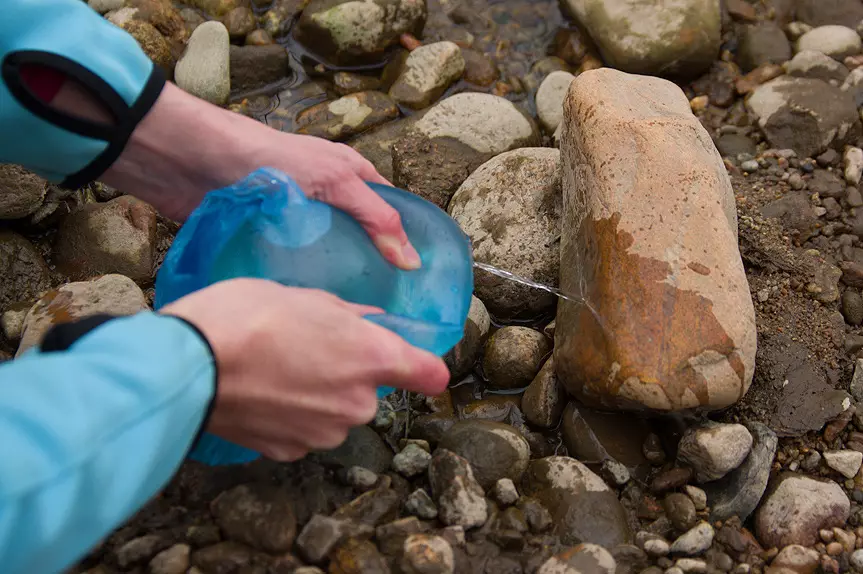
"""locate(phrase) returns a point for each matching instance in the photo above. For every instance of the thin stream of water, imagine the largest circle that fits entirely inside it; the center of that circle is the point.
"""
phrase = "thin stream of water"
(509, 276)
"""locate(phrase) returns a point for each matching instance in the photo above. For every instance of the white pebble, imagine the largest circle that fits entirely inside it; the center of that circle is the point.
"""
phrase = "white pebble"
(845, 462)
(853, 165)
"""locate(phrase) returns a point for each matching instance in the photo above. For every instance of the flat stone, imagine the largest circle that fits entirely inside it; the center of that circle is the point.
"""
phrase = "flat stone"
(261, 516)
(510, 208)
(797, 508)
(695, 541)
(254, 67)
(494, 450)
(347, 116)
(428, 71)
(804, 114)
(634, 37)
(845, 462)
(453, 138)
(583, 507)
(353, 32)
(838, 42)
(616, 235)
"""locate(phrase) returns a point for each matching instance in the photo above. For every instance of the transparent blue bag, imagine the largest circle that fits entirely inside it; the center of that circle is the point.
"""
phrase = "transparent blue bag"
(264, 226)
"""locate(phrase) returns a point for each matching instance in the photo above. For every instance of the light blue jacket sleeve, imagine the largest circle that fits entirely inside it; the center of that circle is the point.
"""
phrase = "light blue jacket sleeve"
(89, 435)
(69, 37)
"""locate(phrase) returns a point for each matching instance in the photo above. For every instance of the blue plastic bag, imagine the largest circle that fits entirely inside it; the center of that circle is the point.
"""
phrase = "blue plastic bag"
(264, 226)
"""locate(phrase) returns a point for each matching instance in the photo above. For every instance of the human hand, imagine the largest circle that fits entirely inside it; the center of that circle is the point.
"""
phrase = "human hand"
(186, 147)
(298, 368)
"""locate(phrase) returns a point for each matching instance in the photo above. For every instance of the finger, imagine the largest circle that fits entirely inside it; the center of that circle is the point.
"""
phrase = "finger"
(363, 310)
(368, 172)
(379, 219)
(402, 365)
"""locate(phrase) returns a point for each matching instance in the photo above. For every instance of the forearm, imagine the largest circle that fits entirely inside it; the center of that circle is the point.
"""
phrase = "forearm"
(181, 150)
(90, 434)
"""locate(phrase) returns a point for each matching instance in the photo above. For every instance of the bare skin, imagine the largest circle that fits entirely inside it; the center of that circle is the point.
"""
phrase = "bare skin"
(298, 368)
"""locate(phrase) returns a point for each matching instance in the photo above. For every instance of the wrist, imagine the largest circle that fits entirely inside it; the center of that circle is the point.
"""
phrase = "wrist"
(182, 149)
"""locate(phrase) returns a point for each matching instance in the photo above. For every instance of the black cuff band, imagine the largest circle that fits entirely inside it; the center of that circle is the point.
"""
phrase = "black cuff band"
(206, 420)
(61, 337)
(125, 118)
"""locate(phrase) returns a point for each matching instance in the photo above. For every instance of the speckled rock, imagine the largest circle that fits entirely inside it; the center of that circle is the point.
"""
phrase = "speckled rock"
(23, 272)
(427, 73)
(632, 248)
(694, 541)
(493, 450)
(152, 42)
(714, 450)
(114, 237)
(513, 357)
(460, 499)
(411, 461)
(549, 99)
(358, 31)
(804, 114)
(453, 138)
(21, 192)
(204, 68)
(633, 36)
(583, 507)
(112, 294)
(838, 42)
(545, 398)
(510, 208)
(581, 559)
(798, 507)
(348, 116)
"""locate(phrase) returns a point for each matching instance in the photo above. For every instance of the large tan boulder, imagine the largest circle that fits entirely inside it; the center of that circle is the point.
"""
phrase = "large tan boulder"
(649, 236)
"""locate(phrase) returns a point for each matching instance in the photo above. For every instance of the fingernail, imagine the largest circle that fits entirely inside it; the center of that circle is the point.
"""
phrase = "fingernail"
(403, 255)
(410, 257)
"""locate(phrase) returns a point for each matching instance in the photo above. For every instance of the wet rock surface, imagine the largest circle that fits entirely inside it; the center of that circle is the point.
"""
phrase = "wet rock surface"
(510, 208)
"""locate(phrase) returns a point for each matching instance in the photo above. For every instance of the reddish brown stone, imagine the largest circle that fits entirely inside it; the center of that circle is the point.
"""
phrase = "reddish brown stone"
(649, 238)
